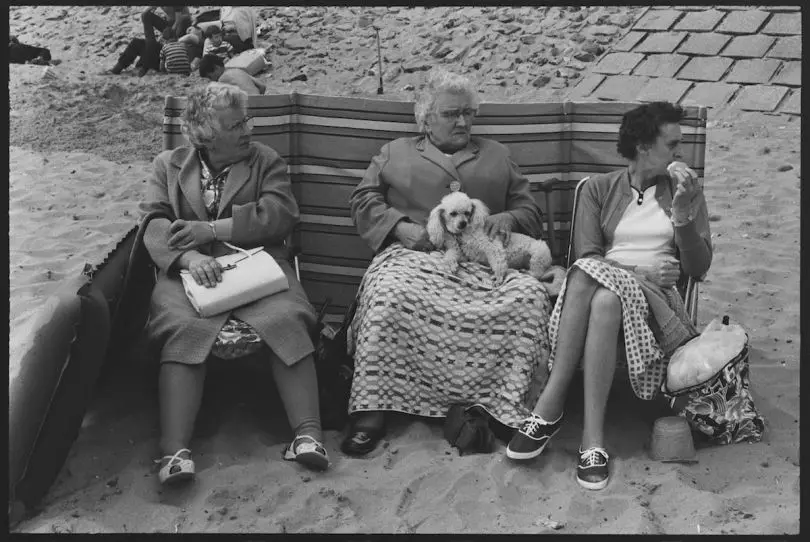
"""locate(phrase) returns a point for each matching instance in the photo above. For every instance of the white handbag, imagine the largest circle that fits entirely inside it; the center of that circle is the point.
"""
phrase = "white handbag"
(247, 275)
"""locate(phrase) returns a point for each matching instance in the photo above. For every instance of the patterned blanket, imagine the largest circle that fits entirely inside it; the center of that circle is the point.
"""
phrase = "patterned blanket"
(423, 339)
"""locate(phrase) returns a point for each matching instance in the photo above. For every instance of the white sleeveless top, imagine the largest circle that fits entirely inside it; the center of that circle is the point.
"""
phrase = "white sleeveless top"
(644, 233)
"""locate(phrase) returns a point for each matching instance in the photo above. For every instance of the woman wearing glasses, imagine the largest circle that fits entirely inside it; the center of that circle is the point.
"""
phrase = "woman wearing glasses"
(424, 339)
(224, 187)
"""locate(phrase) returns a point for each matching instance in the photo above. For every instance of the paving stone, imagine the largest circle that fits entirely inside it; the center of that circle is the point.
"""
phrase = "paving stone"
(793, 105)
(585, 87)
(700, 21)
(620, 88)
(710, 94)
(660, 42)
(790, 75)
(752, 71)
(661, 65)
(784, 24)
(787, 48)
(781, 8)
(629, 41)
(657, 20)
(705, 68)
(760, 97)
(704, 44)
(743, 22)
(686, 8)
(664, 88)
(618, 63)
(733, 8)
(753, 46)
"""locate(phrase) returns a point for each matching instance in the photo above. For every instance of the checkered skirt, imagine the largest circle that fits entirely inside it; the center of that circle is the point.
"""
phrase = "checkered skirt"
(423, 339)
(646, 363)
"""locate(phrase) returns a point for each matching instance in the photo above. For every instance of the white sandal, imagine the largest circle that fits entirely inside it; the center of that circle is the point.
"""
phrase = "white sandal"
(175, 468)
(309, 452)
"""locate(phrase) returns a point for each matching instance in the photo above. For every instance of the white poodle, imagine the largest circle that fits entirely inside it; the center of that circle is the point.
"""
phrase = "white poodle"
(456, 225)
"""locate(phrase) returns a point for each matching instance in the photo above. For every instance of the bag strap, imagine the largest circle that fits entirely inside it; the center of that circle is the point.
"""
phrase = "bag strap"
(240, 249)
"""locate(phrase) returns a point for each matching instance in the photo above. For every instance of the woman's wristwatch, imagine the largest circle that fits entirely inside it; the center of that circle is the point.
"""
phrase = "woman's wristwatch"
(681, 220)
(213, 230)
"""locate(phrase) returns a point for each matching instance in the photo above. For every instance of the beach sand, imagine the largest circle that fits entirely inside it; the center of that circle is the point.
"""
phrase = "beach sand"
(70, 202)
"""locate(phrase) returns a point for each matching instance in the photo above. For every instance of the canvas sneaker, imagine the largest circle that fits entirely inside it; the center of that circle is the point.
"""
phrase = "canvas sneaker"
(593, 469)
(532, 437)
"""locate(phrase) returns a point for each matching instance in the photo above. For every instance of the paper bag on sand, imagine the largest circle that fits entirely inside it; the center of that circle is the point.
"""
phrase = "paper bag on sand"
(252, 61)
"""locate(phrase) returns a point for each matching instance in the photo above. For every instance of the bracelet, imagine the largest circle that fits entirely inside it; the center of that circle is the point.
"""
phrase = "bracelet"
(681, 222)
(213, 230)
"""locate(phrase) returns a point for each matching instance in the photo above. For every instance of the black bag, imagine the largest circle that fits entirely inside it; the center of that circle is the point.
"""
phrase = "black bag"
(334, 367)
(468, 430)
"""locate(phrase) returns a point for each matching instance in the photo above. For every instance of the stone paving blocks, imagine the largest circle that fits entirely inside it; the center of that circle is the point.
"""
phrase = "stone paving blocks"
(743, 22)
(629, 41)
(660, 42)
(781, 8)
(704, 44)
(753, 71)
(618, 63)
(620, 88)
(661, 65)
(793, 105)
(790, 75)
(700, 21)
(753, 46)
(658, 20)
(760, 97)
(710, 94)
(663, 88)
(787, 48)
(784, 24)
(705, 68)
(585, 86)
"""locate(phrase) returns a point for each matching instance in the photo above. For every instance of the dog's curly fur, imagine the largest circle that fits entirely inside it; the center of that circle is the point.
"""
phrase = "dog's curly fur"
(456, 225)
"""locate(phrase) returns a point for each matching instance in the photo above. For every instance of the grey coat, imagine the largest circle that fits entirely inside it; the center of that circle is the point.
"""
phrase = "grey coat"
(258, 196)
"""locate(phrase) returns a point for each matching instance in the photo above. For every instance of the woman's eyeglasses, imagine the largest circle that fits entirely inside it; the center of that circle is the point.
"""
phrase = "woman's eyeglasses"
(453, 114)
(246, 122)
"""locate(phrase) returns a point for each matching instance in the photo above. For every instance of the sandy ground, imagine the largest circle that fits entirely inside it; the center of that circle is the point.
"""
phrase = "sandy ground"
(73, 194)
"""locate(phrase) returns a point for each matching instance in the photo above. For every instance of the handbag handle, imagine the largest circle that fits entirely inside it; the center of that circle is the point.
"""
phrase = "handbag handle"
(234, 247)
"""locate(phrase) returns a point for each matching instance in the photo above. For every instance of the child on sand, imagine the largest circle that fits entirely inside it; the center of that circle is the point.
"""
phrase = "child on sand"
(214, 44)
(174, 55)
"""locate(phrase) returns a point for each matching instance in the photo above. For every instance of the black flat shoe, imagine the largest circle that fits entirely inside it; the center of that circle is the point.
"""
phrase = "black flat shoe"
(361, 441)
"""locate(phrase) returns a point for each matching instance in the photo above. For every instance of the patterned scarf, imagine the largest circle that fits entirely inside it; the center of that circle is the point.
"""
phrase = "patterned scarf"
(212, 185)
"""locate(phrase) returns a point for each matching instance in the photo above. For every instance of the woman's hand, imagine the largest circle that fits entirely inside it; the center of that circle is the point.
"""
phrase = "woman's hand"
(685, 200)
(413, 236)
(500, 225)
(664, 273)
(188, 234)
(205, 270)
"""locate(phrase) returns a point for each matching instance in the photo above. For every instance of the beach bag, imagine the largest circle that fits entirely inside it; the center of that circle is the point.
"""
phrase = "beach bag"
(252, 61)
(708, 382)
(468, 430)
(247, 275)
(334, 367)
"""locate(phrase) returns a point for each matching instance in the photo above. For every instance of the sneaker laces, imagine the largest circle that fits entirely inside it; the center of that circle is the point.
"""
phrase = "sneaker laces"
(593, 457)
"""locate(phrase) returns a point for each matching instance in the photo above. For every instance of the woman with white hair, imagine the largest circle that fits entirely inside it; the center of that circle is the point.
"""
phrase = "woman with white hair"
(424, 339)
(225, 188)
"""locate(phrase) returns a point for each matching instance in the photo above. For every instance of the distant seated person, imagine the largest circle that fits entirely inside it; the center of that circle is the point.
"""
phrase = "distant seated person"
(20, 53)
(214, 44)
(193, 40)
(212, 67)
(239, 27)
(177, 18)
(146, 52)
(174, 55)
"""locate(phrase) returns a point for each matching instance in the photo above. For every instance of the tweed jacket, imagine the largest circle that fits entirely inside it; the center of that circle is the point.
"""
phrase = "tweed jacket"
(602, 203)
(258, 197)
(410, 176)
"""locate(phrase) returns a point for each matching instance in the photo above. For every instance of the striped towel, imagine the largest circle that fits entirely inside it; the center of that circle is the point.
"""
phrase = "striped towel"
(174, 56)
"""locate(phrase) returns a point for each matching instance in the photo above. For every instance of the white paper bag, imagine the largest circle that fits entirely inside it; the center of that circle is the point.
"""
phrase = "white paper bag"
(248, 275)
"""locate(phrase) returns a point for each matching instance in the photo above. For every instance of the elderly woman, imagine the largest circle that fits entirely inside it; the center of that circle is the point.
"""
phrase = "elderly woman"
(424, 339)
(638, 229)
(225, 188)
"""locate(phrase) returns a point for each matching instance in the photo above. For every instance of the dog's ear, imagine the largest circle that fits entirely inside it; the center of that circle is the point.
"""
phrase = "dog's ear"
(480, 212)
(436, 226)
